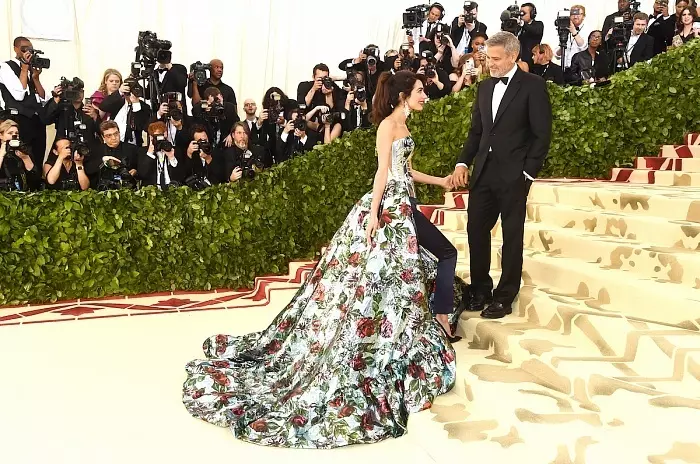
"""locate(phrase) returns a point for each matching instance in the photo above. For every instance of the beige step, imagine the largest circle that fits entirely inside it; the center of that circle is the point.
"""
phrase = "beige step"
(654, 177)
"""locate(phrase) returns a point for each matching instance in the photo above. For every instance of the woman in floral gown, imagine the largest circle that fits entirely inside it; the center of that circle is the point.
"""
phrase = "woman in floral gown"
(357, 349)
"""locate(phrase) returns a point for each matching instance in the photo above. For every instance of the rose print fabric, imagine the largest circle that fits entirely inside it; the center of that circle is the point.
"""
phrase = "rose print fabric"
(354, 352)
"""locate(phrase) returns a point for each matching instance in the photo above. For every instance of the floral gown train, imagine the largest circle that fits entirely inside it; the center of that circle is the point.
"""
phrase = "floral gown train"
(354, 352)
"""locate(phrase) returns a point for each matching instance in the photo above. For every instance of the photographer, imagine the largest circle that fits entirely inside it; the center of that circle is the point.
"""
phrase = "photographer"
(624, 11)
(322, 91)
(204, 165)
(577, 33)
(69, 114)
(296, 138)
(129, 111)
(275, 105)
(369, 63)
(437, 81)
(171, 77)
(465, 26)
(406, 60)
(17, 170)
(243, 159)
(357, 109)
(215, 115)
(530, 33)
(177, 123)
(111, 81)
(158, 165)
(195, 90)
(446, 55)
(436, 13)
(112, 152)
(21, 90)
(661, 26)
(64, 168)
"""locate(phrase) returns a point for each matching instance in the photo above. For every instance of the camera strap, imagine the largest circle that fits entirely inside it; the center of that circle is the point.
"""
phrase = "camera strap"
(161, 167)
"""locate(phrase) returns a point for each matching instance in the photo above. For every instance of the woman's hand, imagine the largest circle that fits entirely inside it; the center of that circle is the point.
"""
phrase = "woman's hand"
(372, 226)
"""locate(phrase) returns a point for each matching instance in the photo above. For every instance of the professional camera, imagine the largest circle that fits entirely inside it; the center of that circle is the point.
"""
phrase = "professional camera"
(215, 111)
(372, 55)
(430, 71)
(161, 143)
(332, 118)
(275, 109)
(16, 145)
(299, 122)
(36, 61)
(78, 140)
(621, 31)
(360, 93)
(200, 72)
(415, 16)
(510, 19)
(174, 111)
(9, 113)
(250, 165)
(327, 82)
(135, 88)
(469, 16)
(71, 90)
(562, 23)
(115, 176)
(405, 56)
(198, 182)
(151, 50)
(203, 146)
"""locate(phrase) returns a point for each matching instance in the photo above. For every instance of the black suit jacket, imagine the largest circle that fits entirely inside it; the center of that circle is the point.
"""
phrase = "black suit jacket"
(175, 80)
(519, 136)
(643, 50)
(148, 169)
(662, 31)
(138, 122)
(529, 36)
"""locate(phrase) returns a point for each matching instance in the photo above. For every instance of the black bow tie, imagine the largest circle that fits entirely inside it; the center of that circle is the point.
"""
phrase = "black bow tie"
(501, 79)
(162, 70)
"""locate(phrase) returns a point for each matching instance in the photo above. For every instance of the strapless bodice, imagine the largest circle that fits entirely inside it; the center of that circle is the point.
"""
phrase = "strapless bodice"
(400, 167)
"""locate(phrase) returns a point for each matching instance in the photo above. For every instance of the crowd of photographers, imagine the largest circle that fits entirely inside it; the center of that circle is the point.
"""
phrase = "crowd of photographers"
(138, 131)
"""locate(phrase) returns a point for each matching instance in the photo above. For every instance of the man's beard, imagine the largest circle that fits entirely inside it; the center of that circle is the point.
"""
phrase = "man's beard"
(243, 145)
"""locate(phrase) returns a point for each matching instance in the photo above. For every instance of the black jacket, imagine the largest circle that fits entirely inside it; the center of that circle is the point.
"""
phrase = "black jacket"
(520, 134)
(643, 50)
(234, 157)
(529, 36)
(662, 31)
(457, 32)
(583, 61)
(221, 127)
(148, 169)
(137, 122)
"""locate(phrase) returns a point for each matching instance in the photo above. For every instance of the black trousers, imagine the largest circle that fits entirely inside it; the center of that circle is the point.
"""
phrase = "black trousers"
(489, 198)
(33, 132)
(430, 238)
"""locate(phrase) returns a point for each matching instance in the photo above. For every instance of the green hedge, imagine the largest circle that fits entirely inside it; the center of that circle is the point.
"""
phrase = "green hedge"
(57, 245)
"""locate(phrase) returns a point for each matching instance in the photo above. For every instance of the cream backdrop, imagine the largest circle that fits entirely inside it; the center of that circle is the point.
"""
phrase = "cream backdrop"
(262, 42)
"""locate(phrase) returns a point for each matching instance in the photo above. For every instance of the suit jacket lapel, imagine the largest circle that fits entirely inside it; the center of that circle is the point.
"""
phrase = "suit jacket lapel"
(511, 91)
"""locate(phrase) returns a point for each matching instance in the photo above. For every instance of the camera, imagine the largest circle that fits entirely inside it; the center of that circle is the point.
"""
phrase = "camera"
(621, 31)
(299, 122)
(332, 118)
(174, 111)
(161, 143)
(215, 111)
(562, 24)
(16, 145)
(71, 90)
(78, 141)
(405, 56)
(413, 17)
(36, 61)
(135, 88)
(469, 16)
(372, 55)
(152, 50)
(327, 82)
(203, 146)
(115, 176)
(200, 72)
(249, 165)
(510, 19)
(360, 93)
(430, 71)
(274, 107)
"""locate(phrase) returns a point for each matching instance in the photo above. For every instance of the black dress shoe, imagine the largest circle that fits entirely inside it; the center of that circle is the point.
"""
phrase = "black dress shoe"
(478, 302)
(497, 310)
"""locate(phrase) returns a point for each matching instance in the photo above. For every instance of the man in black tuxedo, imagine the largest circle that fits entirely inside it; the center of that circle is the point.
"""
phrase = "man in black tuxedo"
(507, 143)
(662, 26)
(641, 45)
(530, 33)
(465, 26)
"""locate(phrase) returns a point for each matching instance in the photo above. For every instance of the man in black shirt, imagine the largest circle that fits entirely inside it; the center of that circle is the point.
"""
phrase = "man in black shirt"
(530, 33)
(322, 91)
(215, 115)
(662, 26)
(196, 92)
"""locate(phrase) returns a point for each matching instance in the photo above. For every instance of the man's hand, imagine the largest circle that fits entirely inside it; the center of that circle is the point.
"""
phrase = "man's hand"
(163, 110)
(236, 174)
(78, 158)
(124, 89)
(317, 85)
(36, 72)
(191, 148)
(90, 111)
(133, 173)
(460, 178)
(264, 115)
(26, 57)
(58, 90)
(170, 154)
(299, 133)
(460, 21)
(228, 141)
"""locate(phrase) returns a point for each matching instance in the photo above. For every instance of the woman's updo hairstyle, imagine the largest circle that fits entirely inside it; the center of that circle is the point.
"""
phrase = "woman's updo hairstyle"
(386, 98)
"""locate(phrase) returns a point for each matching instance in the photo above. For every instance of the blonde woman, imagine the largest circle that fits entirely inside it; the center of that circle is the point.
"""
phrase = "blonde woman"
(111, 81)
(17, 170)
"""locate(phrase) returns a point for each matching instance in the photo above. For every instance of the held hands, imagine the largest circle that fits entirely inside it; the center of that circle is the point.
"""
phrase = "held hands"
(447, 182)
(460, 178)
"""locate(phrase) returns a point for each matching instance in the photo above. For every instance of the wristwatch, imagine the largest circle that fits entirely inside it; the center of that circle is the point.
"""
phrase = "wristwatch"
(79, 168)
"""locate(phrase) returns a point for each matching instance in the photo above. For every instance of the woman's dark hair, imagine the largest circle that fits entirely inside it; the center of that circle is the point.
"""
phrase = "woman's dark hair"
(386, 98)
(55, 142)
(590, 36)
(679, 22)
(267, 99)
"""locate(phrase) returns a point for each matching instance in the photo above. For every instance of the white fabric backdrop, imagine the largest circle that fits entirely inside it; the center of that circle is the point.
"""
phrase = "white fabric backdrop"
(262, 42)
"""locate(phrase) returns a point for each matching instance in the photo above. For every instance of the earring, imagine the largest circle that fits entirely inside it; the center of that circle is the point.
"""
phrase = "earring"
(406, 109)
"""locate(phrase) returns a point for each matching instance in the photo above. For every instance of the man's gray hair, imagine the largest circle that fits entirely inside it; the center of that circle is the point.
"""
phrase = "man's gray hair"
(508, 41)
